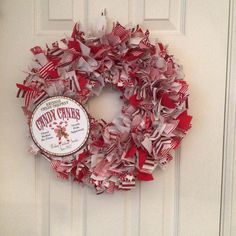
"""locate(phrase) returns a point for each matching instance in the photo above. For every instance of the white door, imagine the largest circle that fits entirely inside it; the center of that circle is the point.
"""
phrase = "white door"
(183, 200)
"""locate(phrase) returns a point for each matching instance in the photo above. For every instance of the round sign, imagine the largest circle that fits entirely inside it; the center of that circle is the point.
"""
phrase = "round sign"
(59, 126)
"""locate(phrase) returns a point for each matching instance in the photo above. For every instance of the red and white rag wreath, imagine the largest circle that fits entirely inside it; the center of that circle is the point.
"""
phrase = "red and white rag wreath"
(153, 119)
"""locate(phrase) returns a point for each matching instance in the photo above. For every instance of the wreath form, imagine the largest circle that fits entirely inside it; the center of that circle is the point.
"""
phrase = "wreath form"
(153, 118)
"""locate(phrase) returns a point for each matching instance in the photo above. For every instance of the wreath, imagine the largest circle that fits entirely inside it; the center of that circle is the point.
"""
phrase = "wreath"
(152, 121)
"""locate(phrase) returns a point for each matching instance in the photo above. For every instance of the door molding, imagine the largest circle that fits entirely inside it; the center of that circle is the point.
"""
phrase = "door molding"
(228, 187)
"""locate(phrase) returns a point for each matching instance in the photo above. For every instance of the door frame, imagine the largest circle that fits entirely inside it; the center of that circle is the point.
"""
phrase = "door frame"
(228, 187)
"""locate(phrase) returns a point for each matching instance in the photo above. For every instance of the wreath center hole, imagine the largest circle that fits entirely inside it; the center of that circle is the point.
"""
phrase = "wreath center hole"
(107, 105)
